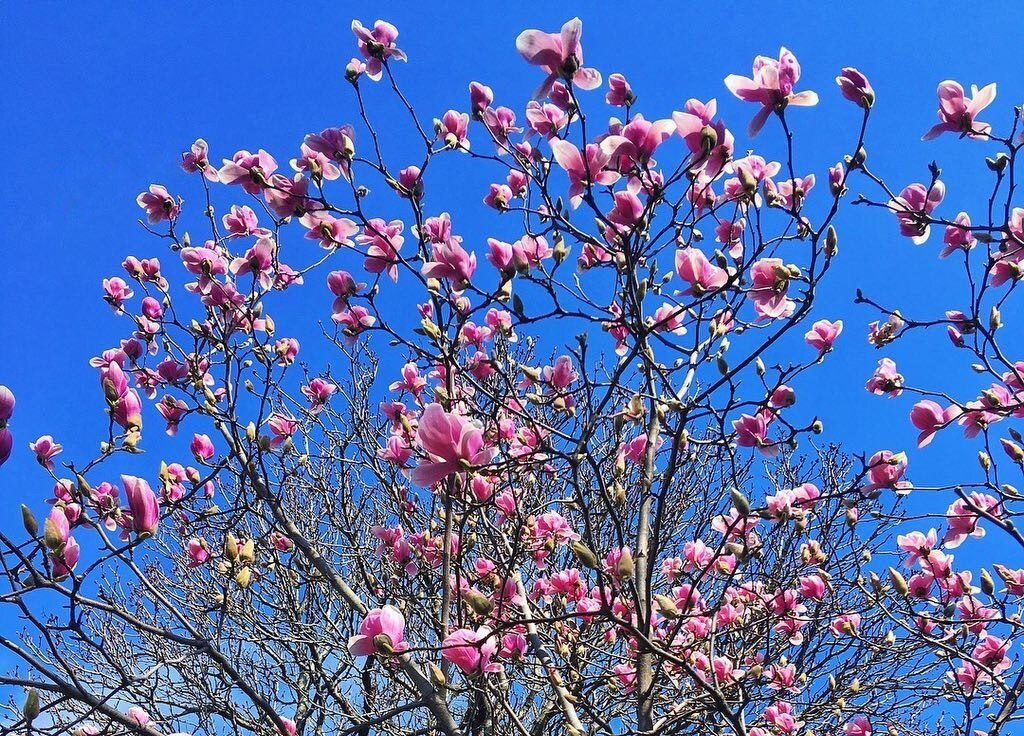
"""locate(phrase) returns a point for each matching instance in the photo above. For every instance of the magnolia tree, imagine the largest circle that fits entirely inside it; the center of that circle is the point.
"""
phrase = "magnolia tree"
(552, 482)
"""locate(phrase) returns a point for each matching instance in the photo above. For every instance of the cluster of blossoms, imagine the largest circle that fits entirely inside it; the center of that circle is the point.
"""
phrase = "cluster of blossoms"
(594, 512)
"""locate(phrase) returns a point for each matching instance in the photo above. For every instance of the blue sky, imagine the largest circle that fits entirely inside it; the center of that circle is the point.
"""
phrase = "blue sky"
(101, 100)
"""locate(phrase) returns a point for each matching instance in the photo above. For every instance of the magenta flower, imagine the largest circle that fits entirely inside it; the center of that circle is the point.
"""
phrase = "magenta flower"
(856, 87)
(319, 392)
(823, 334)
(886, 470)
(198, 159)
(929, 418)
(480, 98)
(695, 269)
(198, 551)
(886, 379)
(958, 114)
(560, 55)
(202, 447)
(143, 505)
(159, 204)
(769, 289)
(383, 241)
(382, 632)
(771, 87)
(619, 94)
(6, 444)
(452, 444)
(591, 170)
(450, 261)
(752, 431)
(6, 405)
(377, 46)
(453, 129)
(250, 170)
(45, 449)
(471, 651)
(912, 207)
(958, 236)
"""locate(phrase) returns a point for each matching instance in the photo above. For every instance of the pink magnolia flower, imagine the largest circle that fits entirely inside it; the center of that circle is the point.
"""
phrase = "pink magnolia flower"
(929, 418)
(45, 449)
(480, 98)
(6, 444)
(318, 391)
(6, 405)
(587, 168)
(823, 334)
(198, 159)
(846, 624)
(450, 261)
(383, 241)
(771, 86)
(143, 505)
(452, 443)
(859, 726)
(159, 204)
(886, 470)
(560, 55)
(619, 94)
(856, 87)
(471, 651)
(912, 208)
(252, 171)
(958, 114)
(958, 236)
(202, 447)
(141, 717)
(695, 269)
(885, 379)
(198, 551)
(453, 129)
(382, 632)
(752, 431)
(769, 289)
(377, 46)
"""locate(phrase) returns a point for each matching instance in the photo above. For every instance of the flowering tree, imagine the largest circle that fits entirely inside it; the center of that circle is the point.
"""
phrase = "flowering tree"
(563, 491)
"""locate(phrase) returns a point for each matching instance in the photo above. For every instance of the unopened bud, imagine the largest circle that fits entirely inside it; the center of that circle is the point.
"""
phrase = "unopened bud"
(28, 520)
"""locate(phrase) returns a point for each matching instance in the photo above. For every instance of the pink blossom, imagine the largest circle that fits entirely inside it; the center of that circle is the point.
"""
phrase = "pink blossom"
(958, 236)
(318, 391)
(450, 261)
(202, 447)
(452, 444)
(769, 289)
(471, 651)
(591, 170)
(771, 86)
(912, 208)
(886, 470)
(6, 444)
(823, 334)
(45, 449)
(198, 551)
(619, 92)
(752, 431)
(929, 417)
(859, 726)
(198, 159)
(453, 129)
(381, 632)
(252, 171)
(856, 88)
(885, 379)
(560, 55)
(695, 269)
(958, 113)
(143, 505)
(480, 98)
(377, 46)
(383, 241)
(159, 205)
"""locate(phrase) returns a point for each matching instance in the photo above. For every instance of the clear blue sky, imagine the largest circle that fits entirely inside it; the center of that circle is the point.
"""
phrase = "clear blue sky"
(100, 99)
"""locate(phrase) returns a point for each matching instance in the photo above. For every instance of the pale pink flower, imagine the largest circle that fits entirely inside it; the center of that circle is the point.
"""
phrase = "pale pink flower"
(381, 632)
(958, 113)
(560, 55)
(771, 86)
